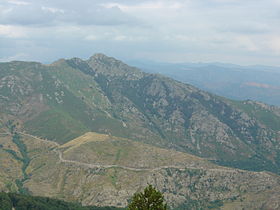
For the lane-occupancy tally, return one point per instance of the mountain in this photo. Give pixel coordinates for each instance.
(260, 83)
(95, 131)
(63, 100)
(103, 170)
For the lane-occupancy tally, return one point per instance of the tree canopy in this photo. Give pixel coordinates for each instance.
(150, 199)
(27, 202)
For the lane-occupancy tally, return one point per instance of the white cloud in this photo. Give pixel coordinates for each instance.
(245, 42)
(12, 32)
(91, 37)
(16, 2)
(120, 38)
(53, 10)
(155, 5)
(274, 44)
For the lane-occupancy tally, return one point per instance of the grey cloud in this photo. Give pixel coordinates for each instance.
(44, 14)
(98, 16)
(26, 15)
(245, 28)
(225, 3)
(210, 30)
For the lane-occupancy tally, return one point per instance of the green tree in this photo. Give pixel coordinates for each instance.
(150, 199)
(5, 202)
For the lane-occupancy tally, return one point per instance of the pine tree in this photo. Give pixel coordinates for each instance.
(150, 199)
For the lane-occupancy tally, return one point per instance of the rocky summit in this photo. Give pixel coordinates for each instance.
(95, 131)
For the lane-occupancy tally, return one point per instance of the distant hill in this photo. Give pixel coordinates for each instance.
(260, 83)
(65, 99)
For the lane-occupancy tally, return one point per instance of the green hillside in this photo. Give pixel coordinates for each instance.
(64, 100)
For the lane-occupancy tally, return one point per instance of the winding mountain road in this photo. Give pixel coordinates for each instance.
(40, 139)
(89, 165)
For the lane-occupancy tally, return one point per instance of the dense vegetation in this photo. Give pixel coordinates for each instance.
(24, 202)
(24, 158)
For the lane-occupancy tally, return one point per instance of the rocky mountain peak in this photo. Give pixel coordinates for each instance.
(102, 59)
(110, 66)
(77, 60)
(101, 56)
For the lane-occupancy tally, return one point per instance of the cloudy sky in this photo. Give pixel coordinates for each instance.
(233, 31)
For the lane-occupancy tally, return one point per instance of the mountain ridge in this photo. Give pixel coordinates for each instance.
(229, 80)
(104, 95)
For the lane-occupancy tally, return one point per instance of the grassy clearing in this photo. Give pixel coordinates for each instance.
(55, 125)
(107, 150)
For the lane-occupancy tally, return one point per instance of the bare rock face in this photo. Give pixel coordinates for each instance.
(102, 64)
